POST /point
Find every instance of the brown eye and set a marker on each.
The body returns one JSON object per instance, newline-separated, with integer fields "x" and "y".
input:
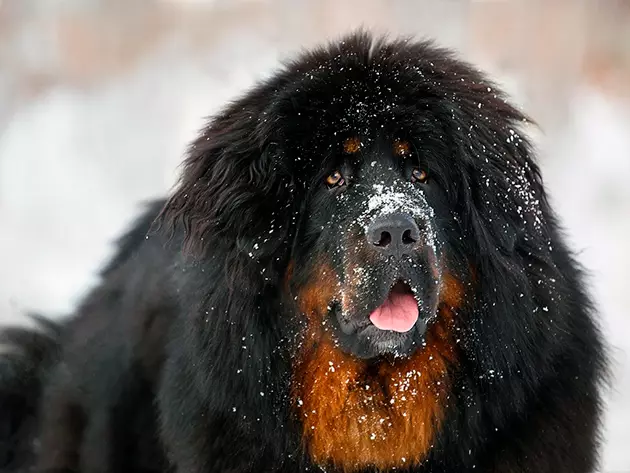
{"x": 419, "y": 175}
{"x": 335, "y": 180}
{"x": 401, "y": 148}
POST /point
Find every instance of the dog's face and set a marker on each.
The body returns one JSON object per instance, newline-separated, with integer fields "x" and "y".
{"x": 376, "y": 217}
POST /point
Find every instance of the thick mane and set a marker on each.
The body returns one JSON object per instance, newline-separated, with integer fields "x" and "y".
{"x": 241, "y": 191}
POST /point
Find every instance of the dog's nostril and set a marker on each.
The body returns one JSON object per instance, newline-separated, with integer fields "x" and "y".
{"x": 385, "y": 240}
{"x": 407, "y": 238}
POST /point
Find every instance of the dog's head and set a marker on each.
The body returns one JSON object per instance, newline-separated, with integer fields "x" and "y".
{"x": 369, "y": 180}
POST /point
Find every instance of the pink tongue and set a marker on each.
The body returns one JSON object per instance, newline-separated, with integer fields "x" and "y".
{"x": 398, "y": 313}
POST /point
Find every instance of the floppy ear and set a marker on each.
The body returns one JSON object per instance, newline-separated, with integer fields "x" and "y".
{"x": 500, "y": 171}
{"x": 236, "y": 190}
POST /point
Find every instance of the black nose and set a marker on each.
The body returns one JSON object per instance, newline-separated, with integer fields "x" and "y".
{"x": 393, "y": 234}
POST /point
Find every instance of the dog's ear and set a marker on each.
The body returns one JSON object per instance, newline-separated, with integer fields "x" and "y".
{"x": 500, "y": 171}
{"x": 236, "y": 189}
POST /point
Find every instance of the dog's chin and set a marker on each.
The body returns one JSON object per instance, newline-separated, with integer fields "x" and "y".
{"x": 372, "y": 342}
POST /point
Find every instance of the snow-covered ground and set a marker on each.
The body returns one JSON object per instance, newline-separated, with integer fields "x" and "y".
{"x": 76, "y": 164}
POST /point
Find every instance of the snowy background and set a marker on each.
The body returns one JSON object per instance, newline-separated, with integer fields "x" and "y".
{"x": 98, "y": 99}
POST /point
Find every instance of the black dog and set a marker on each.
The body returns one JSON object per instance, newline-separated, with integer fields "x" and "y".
{"x": 359, "y": 271}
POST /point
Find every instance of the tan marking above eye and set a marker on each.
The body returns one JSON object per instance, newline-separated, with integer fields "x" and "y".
{"x": 401, "y": 147}
{"x": 419, "y": 175}
{"x": 352, "y": 145}
{"x": 335, "y": 179}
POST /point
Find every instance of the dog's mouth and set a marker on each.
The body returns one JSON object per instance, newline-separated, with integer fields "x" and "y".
{"x": 399, "y": 312}
{"x": 396, "y": 324}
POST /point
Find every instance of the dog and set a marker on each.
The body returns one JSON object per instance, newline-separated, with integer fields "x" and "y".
{"x": 358, "y": 271}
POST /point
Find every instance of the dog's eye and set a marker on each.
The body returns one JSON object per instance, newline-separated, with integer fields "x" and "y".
{"x": 419, "y": 175}
{"x": 335, "y": 180}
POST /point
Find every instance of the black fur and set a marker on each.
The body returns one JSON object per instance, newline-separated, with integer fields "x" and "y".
{"x": 198, "y": 321}
{"x": 30, "y": 353}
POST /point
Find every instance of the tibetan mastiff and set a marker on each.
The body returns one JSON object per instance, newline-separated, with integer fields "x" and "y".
{"x": 359, "y": 271}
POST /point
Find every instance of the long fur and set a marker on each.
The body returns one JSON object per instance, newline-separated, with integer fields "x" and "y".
{"x": 205, "y": 326}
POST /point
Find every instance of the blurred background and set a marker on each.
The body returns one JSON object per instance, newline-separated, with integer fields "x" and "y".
{"x": 98, "y": 99}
